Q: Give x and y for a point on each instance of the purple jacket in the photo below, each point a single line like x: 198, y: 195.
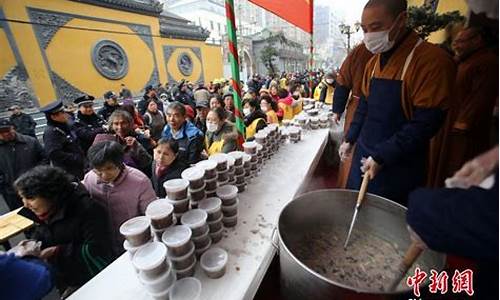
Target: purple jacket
x: 125, y: 198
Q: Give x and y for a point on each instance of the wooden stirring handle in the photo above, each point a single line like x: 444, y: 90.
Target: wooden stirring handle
x: 411, y: 256
x: 362, y: 190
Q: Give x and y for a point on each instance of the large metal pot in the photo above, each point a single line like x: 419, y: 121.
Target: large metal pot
x: 334, y: 208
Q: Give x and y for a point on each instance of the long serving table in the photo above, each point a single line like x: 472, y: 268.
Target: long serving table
x: 248, y: 244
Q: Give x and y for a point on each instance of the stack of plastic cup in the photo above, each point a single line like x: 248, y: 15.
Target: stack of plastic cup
x: 222, y: 168
x: 137, y: 232
x: 180, y: 250
x: 155, y: 270
x: 210, y: 168
x: 212, y: 206
x: 229, y: 196
x: 239, y: 169
x: 196, y: 219
x: 247, y: 167
x: 177, y: 195
x: 186, y: 289
x: 197, y: 185
x: 231, y: 170
x: 160, y: 212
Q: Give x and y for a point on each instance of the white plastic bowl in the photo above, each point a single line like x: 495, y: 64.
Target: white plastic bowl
x: 195, y: 176
x: 210, y: 205
x: 214, y: 262
x: 176, y: 188
x: 188, y: 288
x: 136, y: 230
x: 177, y: 239
x: 227, y: 192
x: 159, y: 284
x: 160, y: 212
x: 194, y: 218
x: 151, y: 260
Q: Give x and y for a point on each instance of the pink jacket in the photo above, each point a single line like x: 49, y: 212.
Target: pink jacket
x: 125, y: 198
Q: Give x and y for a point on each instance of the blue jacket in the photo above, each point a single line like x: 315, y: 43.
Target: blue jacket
x: 190, y: 140
x: 24, y: 279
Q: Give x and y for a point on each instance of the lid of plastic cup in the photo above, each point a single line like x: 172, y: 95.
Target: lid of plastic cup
x: 262, y: 134
x: 130, y: 248
x: 193, y: 173
x: 175, y: 185
x: 135, y: 226
x: 210, y: 205
x: 314, y: 119
x: 236, y: 154
x: 214, y: 259
x: 246, y: 157
x: 251, y: 144
x: 293, y: 130
x: 159, y: 208
x: 230, y: 161
x: 259, y: 147
x: 175, y: 236
x: 188, y: 288
x: 168, y: 276
x: 220, y: 158
x: 207, y: 165
x: 194, y: 218
x: 150, y: 256
x: 227, y: 191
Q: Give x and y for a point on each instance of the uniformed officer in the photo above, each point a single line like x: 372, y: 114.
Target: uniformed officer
x: 61, y: 144
x: 87, y: 123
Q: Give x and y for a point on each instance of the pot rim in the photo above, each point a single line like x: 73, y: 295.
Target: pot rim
x: 350, y: 288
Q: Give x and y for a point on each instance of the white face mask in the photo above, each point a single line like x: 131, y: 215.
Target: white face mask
x: 212, y: 127
x: 329, y: 81
x: 246, y: 111
x: 378, y: 42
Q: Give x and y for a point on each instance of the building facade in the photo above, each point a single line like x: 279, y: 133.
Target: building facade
x: 61, y: 49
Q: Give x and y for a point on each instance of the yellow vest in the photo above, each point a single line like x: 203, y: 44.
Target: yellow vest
x: 216, y: 146
x: 287, y: 111
x: 298, y: 107
x: 317, y: 91
x: 252, y: 128
x: 329, y: 94
x: 283, y: 83
x: 272, y: 117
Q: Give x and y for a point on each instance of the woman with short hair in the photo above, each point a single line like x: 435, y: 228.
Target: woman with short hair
x: 166, y: 165
x: 125, y: 191
x: 221, y: 136
x: 71, y: 226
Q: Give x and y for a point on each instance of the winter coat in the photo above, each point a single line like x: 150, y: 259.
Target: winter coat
x: 125, y: 198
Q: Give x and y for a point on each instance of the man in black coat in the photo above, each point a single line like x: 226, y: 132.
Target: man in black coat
x: 183, y: 96
x: 24, y: 123
x: 87, y: 123
x: 150, y: 94
x: 18, y: 154
x: 61, y: 143
x: 110, y: 105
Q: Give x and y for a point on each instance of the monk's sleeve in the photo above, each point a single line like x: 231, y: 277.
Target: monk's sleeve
x: 344, y: 86
x: 360, y: 114
x: 483, y: 82
x: 428, y: 92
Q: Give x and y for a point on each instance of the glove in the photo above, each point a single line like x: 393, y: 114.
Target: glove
x: 474, y: 171
x: 26, y: 248
x: 416, y: 238
x: 345, y: 151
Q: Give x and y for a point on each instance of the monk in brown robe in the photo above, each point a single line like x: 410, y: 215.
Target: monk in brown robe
x: 346, y: 97
x: 476, y: 93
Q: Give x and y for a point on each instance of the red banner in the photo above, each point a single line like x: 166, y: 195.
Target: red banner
x: 297, y: 12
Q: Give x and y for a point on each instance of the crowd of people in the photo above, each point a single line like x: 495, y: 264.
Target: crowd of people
x: 413, y: 116
x: 96, y: 168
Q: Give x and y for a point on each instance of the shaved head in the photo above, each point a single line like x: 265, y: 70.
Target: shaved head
x: 393, y: 7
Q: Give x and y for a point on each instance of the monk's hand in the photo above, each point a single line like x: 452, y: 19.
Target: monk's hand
x: 345, y: 151
x: 474, y: 171
x: 370, y: 167
x: 336, y: 118
x: 49, y: 253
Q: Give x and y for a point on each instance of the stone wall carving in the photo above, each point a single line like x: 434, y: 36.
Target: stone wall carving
x: 184, y: 62
x: 46, y: 25
x: 15, y: 89
x: 109, y: 59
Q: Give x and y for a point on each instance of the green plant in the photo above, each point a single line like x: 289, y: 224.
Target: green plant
x: 425, y: 20
x: 267, y: 55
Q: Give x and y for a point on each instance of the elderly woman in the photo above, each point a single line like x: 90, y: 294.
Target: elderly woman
x: 137, y: 146
x: 125, y: 191
x: 71, y: 226
x: 221, y: 135
x: 166, y: 165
